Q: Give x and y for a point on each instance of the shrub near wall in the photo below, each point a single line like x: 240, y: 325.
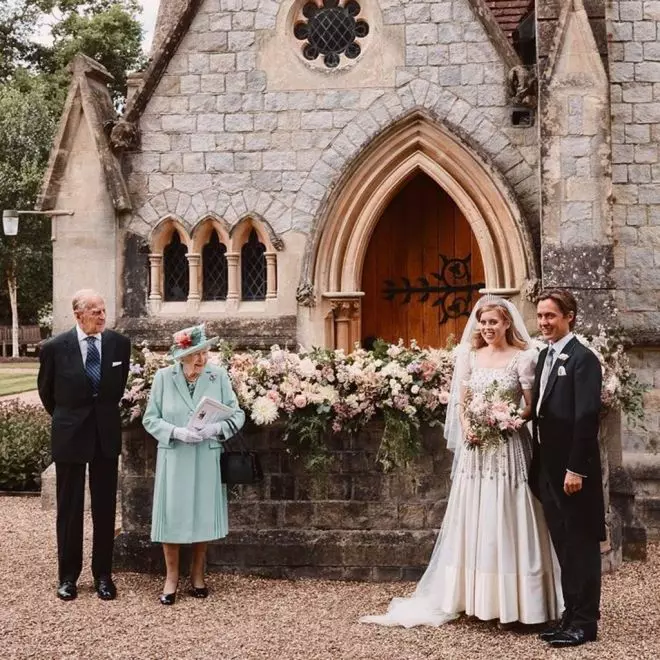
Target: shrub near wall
x: 24, y: 445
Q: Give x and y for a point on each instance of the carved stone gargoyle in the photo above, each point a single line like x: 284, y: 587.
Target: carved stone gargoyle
x: 124, y: 136
x: 523, y: 86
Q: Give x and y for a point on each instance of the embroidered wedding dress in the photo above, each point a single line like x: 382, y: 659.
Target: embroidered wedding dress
x: 493, y: 558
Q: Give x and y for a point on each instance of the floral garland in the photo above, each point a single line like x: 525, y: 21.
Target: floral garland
x: 314, y: 392
x: 621, y: 390
x: 324, y: 389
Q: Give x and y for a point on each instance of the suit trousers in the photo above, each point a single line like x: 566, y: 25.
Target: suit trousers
x: 578, y: 553
x: 70, y: 480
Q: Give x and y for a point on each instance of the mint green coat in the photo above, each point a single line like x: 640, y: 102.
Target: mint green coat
x: 190, y: 501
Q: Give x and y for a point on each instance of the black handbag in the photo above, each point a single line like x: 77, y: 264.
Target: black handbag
x: 242, y: 466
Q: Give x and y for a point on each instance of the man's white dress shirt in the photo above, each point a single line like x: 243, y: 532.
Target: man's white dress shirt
x: 82, y: 343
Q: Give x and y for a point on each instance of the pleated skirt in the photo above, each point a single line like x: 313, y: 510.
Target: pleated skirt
x: 190, y: 500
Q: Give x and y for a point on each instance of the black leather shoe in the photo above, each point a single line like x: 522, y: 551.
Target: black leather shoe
x: 572, y: 636
x: 67, y: 590
x: 561, y: 625
x: 199, y: 592
x: 105, y: 588
x: 167, y: 599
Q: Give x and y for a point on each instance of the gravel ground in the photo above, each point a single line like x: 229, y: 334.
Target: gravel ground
x: 247, y: 618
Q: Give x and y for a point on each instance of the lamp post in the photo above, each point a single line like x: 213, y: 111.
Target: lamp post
x: 10, y: 218
x: 10, y: 228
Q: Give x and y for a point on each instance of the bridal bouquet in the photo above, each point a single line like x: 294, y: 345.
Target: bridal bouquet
x: 491, y: 416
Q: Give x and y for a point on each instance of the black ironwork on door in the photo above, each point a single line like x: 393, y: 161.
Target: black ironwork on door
x: 452, y: 288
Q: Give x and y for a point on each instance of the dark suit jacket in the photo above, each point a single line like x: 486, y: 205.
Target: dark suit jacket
x: 78, y: 417
x: 566, y: 435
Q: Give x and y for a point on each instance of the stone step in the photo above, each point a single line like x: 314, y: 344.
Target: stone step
x: 645, y: 472
x: 374, y: 555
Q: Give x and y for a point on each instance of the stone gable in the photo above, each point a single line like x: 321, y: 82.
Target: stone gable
x: 217, y: 139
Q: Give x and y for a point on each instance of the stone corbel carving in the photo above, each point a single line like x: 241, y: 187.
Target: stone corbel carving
x: 344, y: 319
x: 530, y: 290
x: 124, y: 136
x: 523, y: 86
x: 347, y: 323
x: 305, y: 295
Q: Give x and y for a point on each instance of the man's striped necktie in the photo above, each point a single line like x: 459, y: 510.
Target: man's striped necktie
x: 93, y: 364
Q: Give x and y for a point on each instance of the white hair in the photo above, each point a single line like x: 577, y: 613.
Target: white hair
x: 81, y: 299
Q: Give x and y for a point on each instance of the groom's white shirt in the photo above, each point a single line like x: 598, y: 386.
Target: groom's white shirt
x: 558, y: 348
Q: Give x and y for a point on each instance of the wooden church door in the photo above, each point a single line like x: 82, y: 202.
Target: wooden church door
x: 423, y: 269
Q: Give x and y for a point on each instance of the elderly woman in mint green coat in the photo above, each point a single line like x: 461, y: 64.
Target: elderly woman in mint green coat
x: 190, y: 501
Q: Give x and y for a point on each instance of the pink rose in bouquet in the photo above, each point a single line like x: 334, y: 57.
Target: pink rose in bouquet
x: 491, y: 417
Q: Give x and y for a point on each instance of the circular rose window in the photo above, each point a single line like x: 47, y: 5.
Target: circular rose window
x: 331, y: 30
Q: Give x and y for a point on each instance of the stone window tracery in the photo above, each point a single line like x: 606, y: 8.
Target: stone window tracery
x: 212, y: 265
x: 253, y: 269
x: 331, y: 29
x: 214, y: 269
x: 175, y: 270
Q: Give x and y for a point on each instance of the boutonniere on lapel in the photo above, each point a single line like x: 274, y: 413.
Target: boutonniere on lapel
x: 563, y: 357
x: 561, y: 371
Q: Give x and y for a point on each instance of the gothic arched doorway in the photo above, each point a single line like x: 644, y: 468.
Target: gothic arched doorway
x: 422, y: 269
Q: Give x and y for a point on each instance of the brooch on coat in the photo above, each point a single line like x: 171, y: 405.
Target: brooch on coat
x: 213, y: 377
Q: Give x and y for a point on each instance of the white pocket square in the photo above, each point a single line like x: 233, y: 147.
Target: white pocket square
x: 116, y: 364
x: 561, y: 371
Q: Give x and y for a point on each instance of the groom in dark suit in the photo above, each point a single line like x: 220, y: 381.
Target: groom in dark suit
x: 82, y: 377
x: 565, y: 472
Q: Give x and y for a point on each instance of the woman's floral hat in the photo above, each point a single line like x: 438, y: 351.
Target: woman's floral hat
x: 190, y: 340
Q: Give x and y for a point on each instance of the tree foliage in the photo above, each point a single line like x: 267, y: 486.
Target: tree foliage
x: 33, y: 84
x: 105, y: 30
x: 26, y: 129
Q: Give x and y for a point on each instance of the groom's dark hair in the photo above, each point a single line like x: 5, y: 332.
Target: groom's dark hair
x: 564, y: 299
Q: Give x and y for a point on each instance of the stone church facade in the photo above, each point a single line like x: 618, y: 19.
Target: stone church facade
x: 323, y: 172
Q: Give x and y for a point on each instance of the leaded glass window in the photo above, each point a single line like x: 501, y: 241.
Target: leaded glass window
x: 253, y: 269
x: 214, y: 269
x: 175, y: 270
x: 331, y: 30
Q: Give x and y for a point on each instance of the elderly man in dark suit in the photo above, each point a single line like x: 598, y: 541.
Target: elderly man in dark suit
x: 565, y: 472
x: 82, y: 377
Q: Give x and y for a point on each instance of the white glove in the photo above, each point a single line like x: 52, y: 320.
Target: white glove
x: 186, y: 435
x: 210, y: 431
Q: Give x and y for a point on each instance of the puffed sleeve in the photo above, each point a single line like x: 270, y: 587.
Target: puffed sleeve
x: 527, y: 368
x: 463, y: 366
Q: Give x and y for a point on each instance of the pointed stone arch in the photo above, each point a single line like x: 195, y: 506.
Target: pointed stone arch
x: 267, y: 235
x: 159, y: 238
x: 162, y: 232
x: 240, y: 234
x: 204, y: 227
x: 415, y: 143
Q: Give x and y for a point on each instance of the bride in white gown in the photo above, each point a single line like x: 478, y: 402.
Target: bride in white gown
x: 493, y: 558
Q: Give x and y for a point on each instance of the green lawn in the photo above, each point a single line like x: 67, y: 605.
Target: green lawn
x: 18, y: 377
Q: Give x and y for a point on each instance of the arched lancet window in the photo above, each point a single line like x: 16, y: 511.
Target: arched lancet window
x: 214, y: 269
x: 175, y: 270
x: 253, y: 269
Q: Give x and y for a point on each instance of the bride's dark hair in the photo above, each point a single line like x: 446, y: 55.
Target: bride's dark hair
x: 513, y: 337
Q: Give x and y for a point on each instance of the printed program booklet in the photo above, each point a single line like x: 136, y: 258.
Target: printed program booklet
x: 209, y: 411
